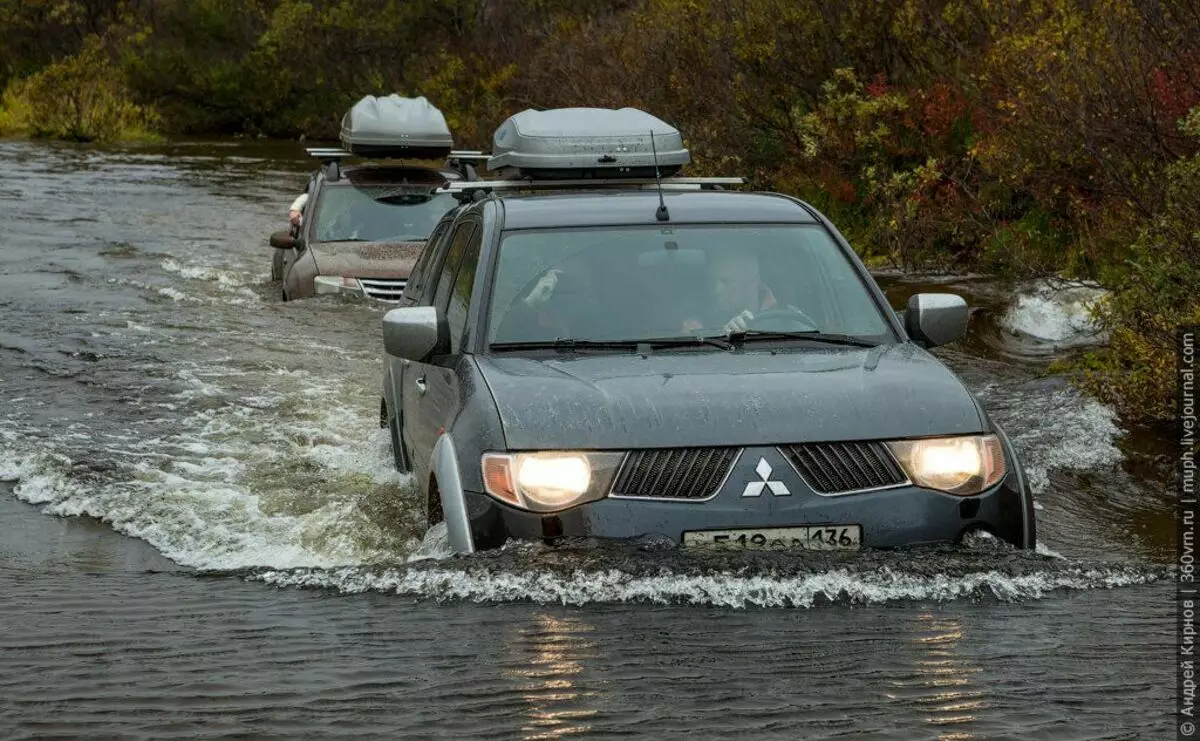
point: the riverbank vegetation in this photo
(1018, 137)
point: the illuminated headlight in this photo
(956, 465)
(549, 481)
(325, 284)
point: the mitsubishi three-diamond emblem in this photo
(755, 488)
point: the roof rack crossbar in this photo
(461, 187)
(338, 153)
(329, 153)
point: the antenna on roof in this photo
(662, 214)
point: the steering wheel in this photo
(770, 320)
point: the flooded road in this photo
(204, 535)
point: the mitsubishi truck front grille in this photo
(837, 468)
(677, 473)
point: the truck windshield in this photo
(379, 213)
(645, 283)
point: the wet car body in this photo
(792, 441)
(372, 260)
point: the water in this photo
(204, 535)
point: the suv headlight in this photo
(956, 465)
(324, 284)
(549, 481)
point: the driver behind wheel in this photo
(738, 291)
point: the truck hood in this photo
(367, 259)
(703, 398)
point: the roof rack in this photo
(337, 153)
(671, 183)
(458, 159)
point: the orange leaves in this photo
(941, 106)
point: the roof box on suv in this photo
(398, 127)
(584, 143)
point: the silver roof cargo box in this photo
(398, 127)
(585, 143)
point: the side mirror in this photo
(934, 319)
(413, 332)
(283, 240)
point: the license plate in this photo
(808, 538)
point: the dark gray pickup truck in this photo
(620, 358)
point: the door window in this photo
(440, 262)
(459, 300)
(412, 289)
(454, 255)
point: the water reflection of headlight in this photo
(943, 687)
(558, 648)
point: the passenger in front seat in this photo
(559, 306)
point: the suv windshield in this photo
(379, 213)
(646, 283)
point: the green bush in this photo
(1160, 290)
(81, 98)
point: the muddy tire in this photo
(398, 452)
(277, 266)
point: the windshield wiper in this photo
(568, 343)
(689, 341)
(814, 335)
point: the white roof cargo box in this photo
(398, 127)
(586, 142)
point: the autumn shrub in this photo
(1159, 292)
(81, 98)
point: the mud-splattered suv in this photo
(364, 226)
(621, 357)
(363, 229)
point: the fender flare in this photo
(1029, 526)
(454, 502)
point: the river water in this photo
(203, 535)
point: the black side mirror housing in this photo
(283, 240)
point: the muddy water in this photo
(203, 535)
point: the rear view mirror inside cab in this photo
(672, 256)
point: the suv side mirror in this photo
(413, 332)
(283, 240)
(934, 319)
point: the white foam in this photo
(173, 294)
(224, 279)
(1044, 550)
(435, 546)
(231, 485)
(1072, 432)
(1058, 315)
(723, 590)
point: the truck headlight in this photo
(548, 481)
(956, 465)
